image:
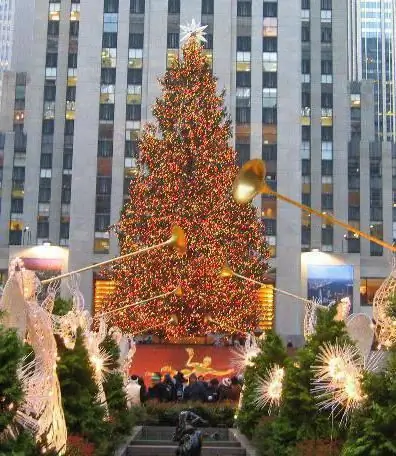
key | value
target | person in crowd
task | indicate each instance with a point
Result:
(156, 391)
(195, 390)
(169, 390)
(224, 389)
(202, 380)
(132, 391)
(235, 389)
(212, 392)
(143, 390)
(180, 384)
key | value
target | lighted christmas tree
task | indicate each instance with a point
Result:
(187, 168)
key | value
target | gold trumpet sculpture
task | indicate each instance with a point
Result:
(177, 241)
(227, 272)
(250, 183)
(177, 292)
(173, 320)
(209, 319)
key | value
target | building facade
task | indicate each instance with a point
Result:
(372, 56)
(88, 88)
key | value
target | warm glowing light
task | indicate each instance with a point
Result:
(188, 169)
(269, 390)
(245, 354)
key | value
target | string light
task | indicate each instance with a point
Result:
(189, 170)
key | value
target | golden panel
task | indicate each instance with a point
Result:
(266, 299)
(102, 289)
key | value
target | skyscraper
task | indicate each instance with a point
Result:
(73, 116)
(372, 56)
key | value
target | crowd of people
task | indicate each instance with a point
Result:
(179, 388)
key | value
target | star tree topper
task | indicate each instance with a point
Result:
(194, 29)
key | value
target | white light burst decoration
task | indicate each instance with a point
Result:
(194, 29)
(269, 389)
(245, 354)
(310, 316)
(338, 374)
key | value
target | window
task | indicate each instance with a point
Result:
(305, 33)
(71, 94)
(110, 22)
(243, 79)
(269, 152)
(270, 44)
(327, 150)
(46, 161)
(243, 115)
(51, 60)
(105, 148)
(53, 28)
(103, 204)
(327, 202)
(305, 66)
(327, 100)
(270, 26)
(106, 112)
(244, 9)
(45, 190)
(173, 41)
(103, 185)
(49, 92)
(306, 167)
(327, 133)
(43, 229)
(244, 44)
(135, 58)
(111, 6)
(67, 159)
(134, 95)
(327, 66)
(327, 236)
(72, 60)
(49, 110)
(305, 150)
(48, 127)
(207, 6)
(102, 222)
(270, 9)
(69, 127)
(134, 76)
(108, 76)
(326, 33)
(109, 57)
(136, 40)
(269, 115)
(305, 4)
(137, 6)
(75, 12)
(270, 80)
(109, 40)
(368, 288)
(54, 12)
(306, 133)
(243, 153)
(174, 6)
(74, 29)
(101, 245)
(133, 112)
(325, 4)
(269, 97)
(327, 167)
(17, 205)
(64, 230)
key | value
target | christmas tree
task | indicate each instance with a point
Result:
(187, 168)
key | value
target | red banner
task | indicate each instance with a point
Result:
(206, 360)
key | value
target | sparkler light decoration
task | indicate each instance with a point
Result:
(338, 374)
(310, 316)
(245, 354)
(269, 389)
(385, 326)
